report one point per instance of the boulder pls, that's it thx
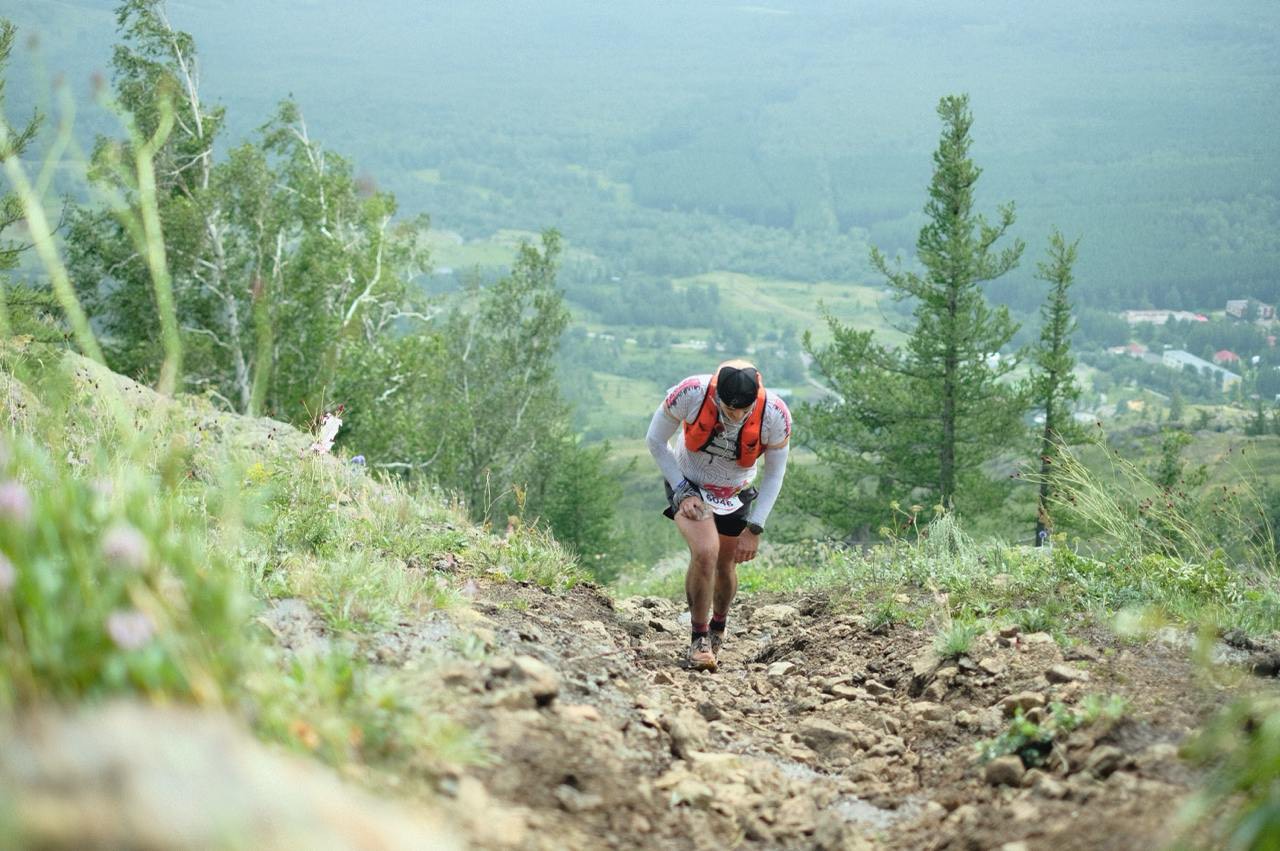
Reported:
(134, 776)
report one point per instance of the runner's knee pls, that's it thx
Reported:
(704, 556)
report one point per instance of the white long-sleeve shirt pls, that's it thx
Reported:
(715, 468)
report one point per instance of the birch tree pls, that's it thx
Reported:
(281, 261)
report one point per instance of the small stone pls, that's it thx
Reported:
(540, 678)
(848, 692)
(691, 791)
(709, 711)
(1024, 811)
(901, 599)
(1157, 754)
(580, 712)
(471, 794)
(1009, 631)
(662, 678)
(688, 732)
(965, 815)
(778, 613)
(1065, 674)
(781, 669)
(663, 625)
(1081, 653)
(1024, 700)
(576, 801)
(1034, 638)
(876, 688)
(1015, 846)
(992, 666)
(930, 711)
(829, 684)
(925, 663)
(936, 691)
(1104, 760)
(1046, 786)
(823, 736)
(1004, 771)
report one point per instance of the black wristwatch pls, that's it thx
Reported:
(756, 528)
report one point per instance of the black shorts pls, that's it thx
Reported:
(729, 525)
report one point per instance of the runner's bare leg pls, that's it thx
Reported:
(726, 586)
(704, 549)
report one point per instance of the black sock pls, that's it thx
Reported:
(718, 622)
(699, 631)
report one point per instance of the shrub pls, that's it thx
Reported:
(1034, 741)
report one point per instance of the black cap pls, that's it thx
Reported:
(736, 387)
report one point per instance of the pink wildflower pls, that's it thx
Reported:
(8, 575)
(124, 548)
(15, 503)
(130, 629)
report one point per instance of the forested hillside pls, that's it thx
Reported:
(777, 140)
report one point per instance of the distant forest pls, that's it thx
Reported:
(780, 139)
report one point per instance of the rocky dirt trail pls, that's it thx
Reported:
(815, 733)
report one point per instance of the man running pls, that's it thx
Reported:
(729, 422)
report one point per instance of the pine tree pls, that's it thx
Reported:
(22, 307)
(1053, 384)
(919, 421)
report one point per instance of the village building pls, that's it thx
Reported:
(1247, 308)
(1178, 359)
(1161, 317)
(1225, 356)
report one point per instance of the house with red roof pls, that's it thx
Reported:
(1225, 356)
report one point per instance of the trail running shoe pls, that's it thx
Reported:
(717, 641)
(701, 656)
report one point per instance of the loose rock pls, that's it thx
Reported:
(1004, 771)
(1104, 760)
(1065, 674)
(823, 736)
(778, 613)
(1025, 701)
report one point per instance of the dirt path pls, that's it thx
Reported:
(815, 733)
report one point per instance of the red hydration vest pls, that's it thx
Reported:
(698, 434)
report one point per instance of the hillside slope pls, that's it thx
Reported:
(482, 691)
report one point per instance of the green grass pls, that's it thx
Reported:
(801, 302)
(956, 639)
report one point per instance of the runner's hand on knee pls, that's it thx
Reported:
(693, 508)
(747, 545)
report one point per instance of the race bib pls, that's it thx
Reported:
(721, 500)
